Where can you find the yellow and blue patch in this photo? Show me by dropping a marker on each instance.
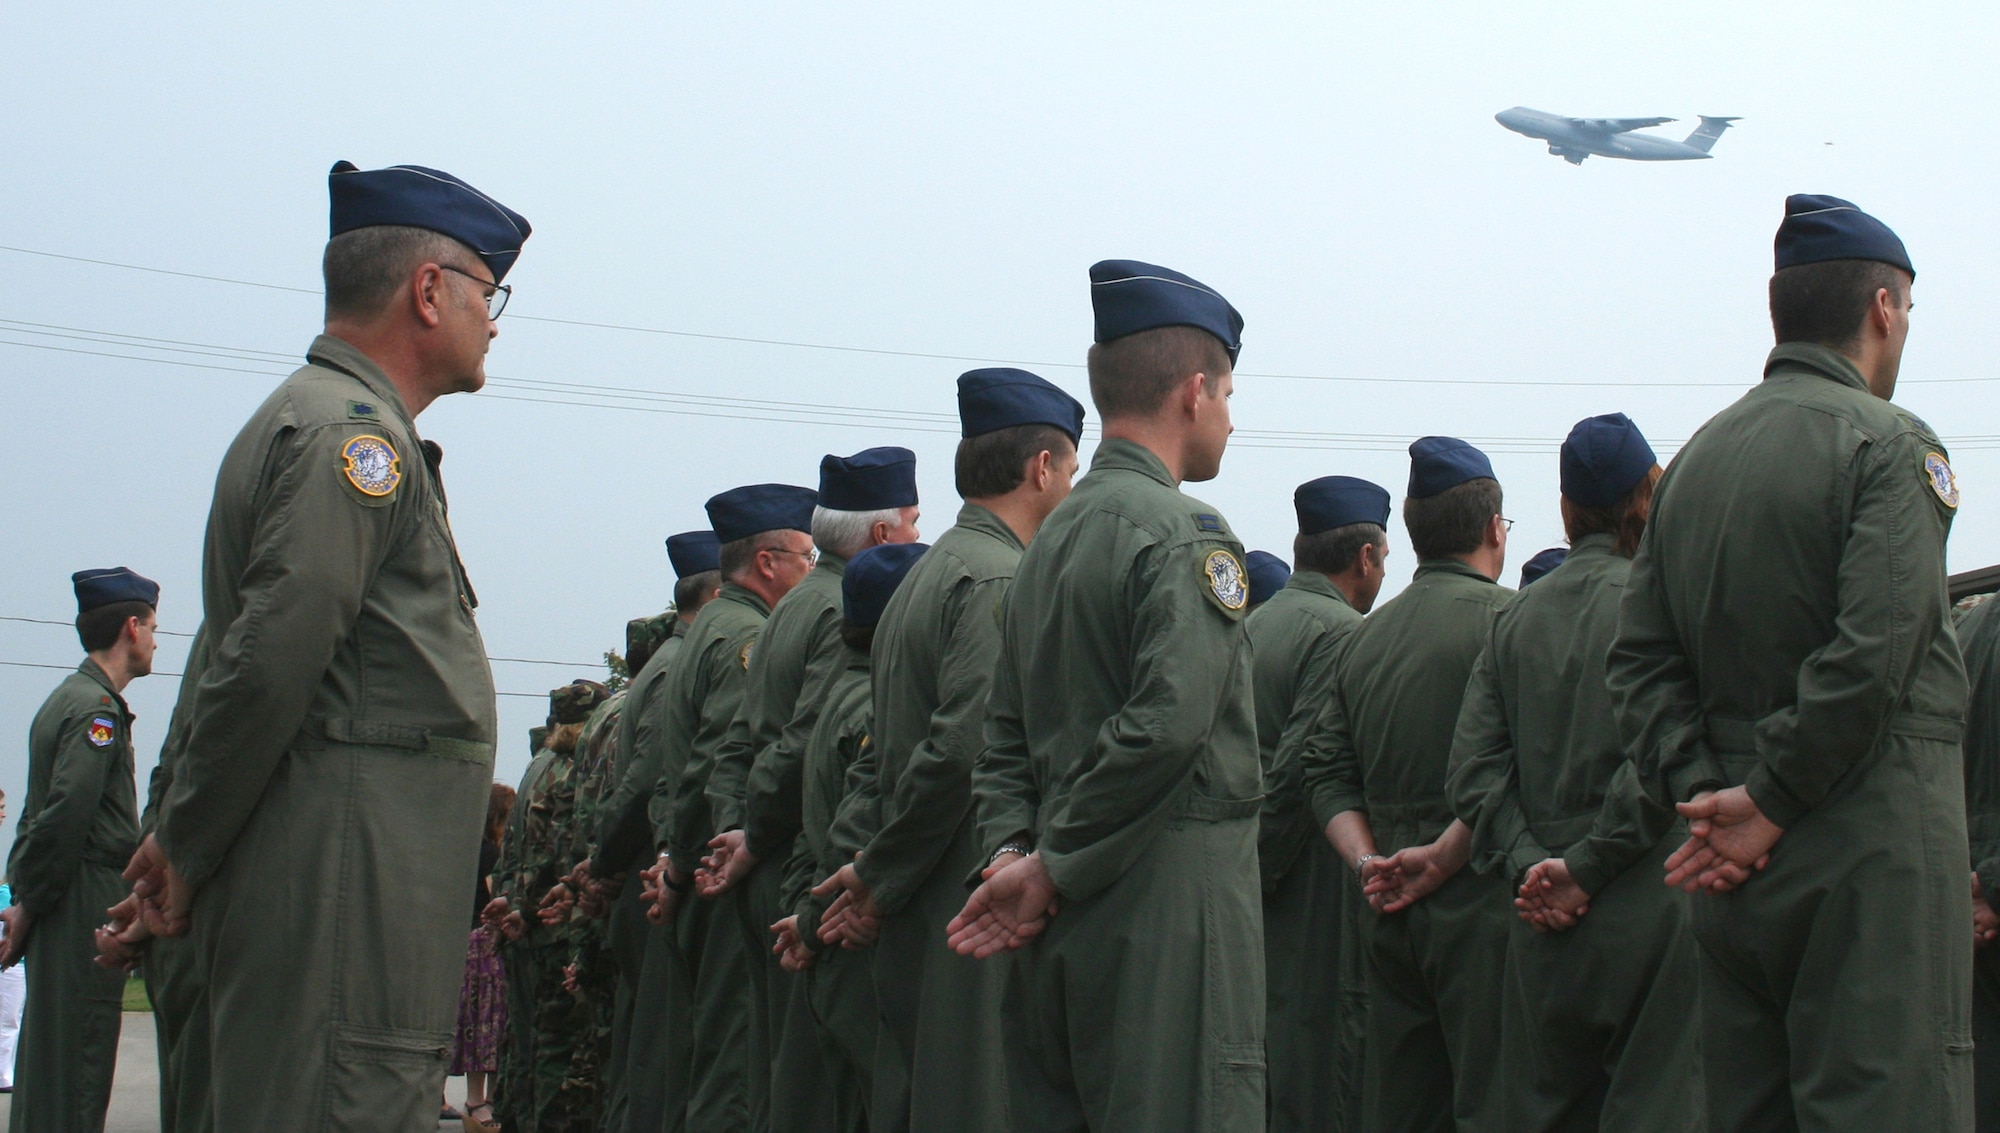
(102, 731)
(1228, 582)
(372, 465)
(1943, 481)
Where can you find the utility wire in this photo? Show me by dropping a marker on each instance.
(884, 352)
(164, 673)
(174, 633)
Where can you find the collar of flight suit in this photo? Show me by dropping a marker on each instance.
(338, 354)
(972, 517)
(1449, 566)
(1116, 453)
(743, 595)
(1812, 358)
(1313, 582)
(1593, 546)
(90, 668)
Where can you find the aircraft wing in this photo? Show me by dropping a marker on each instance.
(1618, 125)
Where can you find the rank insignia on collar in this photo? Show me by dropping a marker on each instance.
(102, 731)
(372, 466)
(1225, 575)
(1937, 470)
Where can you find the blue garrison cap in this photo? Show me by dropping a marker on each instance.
(1268, 575)
(692, 552)
(1000, 398)
(870, 480)
(417, 197)
(1129, 296)
(106, 585)
(1818, 228)
(871, 578)
(742, 512)
(1336, 501)
(1542, 564)
(1439, 464)
(1602, 459)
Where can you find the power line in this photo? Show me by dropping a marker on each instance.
(797, 344)
(174, 633)
(164, 673)
(539, 391)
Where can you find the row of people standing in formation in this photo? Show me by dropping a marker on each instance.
(1034, 828)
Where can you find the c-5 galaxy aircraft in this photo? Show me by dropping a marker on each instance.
(1574, 139)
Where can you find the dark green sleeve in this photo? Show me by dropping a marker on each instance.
(1653, 690)
(625, 826)
(1483, 783)
(1005, 798)
(726, 681)
(934, 793)
(1144, 759)
(1285, 825)
(1328, 761)
(49, 846)
(1889, 615)
(315, 550)
(771, 796)
(1630, 821)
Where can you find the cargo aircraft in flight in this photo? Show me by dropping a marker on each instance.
(1574, 139)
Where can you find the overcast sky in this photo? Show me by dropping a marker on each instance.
(914, 190)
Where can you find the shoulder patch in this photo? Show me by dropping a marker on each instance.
(1227, 582)
(372, 465)
(1937, 470)
(102, 730)
(744, 656)
(1208, 521)
(363, 411)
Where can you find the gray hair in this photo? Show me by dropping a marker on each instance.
(847, 533)
(364, 267)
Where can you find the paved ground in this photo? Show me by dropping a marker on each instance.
(135, 1091)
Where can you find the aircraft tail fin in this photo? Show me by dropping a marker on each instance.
(1710, 129)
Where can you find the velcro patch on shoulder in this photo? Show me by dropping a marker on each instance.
(1943, 481)
(1209, 523)
(363, 411)
(102, 731)
(1225, 581)
(371, 466)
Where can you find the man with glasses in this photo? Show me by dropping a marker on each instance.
(1374, 765)
(336, 723)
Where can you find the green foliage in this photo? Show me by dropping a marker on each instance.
(621, 674)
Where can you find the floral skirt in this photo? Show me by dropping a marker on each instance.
(482, 1007)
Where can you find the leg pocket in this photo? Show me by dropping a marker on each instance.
(1239, 1084)
(385, 1078)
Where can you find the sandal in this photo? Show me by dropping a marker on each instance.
(477, 1124)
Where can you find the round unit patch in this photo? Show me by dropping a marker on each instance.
(1938, 471)
(1226, 579)
(745, 656)
(372, 466)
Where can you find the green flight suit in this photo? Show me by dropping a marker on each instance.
(1315, 973)
(514, 1081)
(1785, 628)
(1380, 746)
(653, 980)
(940, 1061)
(338, 761)
(78, 828)
(756, 786)
(839, 989)
(172, 973)
(1979, 642)
(1122, 743)
(704, 695)
(1596, 1031)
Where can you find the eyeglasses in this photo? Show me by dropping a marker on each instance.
(496, 299)
(1506, 524)
(811, 557)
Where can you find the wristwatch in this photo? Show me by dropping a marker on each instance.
(1021, 848)
(1361, 864)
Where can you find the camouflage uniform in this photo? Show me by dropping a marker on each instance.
(585, 939)
(513, 1086)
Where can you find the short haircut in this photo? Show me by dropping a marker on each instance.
(364, 267)
(995, 463)
(692, 593)
(1453, 522)
(1625, 520)
(1333, 551)
(1132, 376)
(861, 639)
(99, 629)
(1826, 302)
(737, 555)
(848, 533)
